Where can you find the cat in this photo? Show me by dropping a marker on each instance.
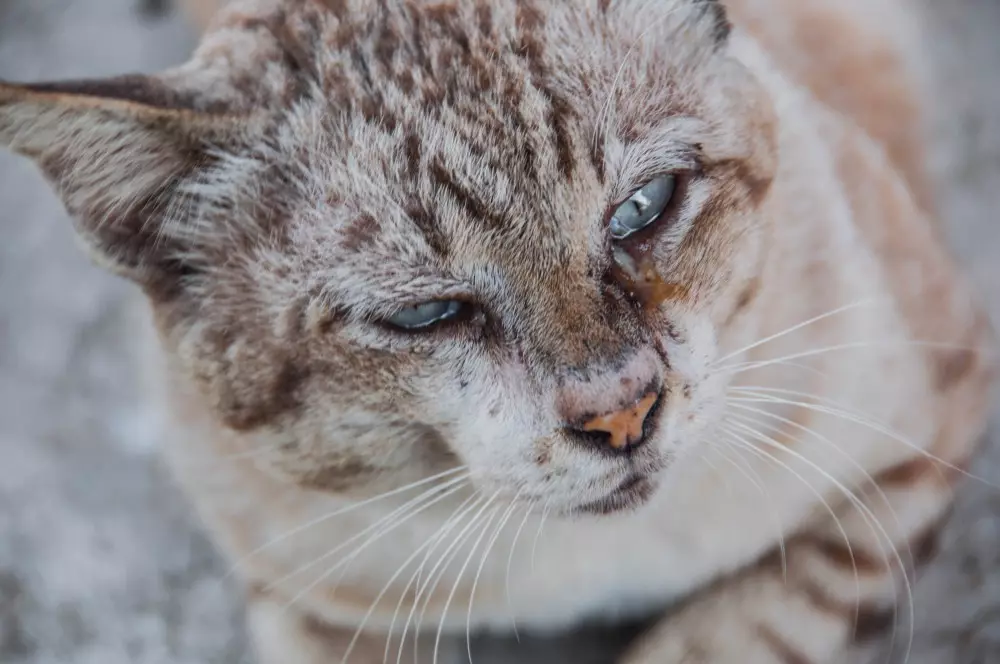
(474, 315)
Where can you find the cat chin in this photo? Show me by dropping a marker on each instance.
(634, 491)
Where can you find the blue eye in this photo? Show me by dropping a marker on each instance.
(643, 207)
(428, 314)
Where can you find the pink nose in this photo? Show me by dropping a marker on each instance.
(624, 427)
(613, 409)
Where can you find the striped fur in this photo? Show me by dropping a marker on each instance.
(318, 164)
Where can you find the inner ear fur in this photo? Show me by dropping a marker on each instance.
(117, 152)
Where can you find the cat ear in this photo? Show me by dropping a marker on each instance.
(117, 152)
(717, 14)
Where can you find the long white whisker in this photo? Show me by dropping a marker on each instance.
(510, 560)
(432, 541)
(458, 578)
(870, 480)
(741, 367)
(482, 563)
(378, 598)
(447, 557)
(877, 529)
(863, 421)
(767, 497)
(375, 527)
(538, 535)
(446, 528)
(339, 512)
(795, 328)
(372, 539)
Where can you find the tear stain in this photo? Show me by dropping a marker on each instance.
(642, 281)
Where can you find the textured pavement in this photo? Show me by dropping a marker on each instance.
(100, 559)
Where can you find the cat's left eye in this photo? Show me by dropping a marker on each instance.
(426, 315)
(643, 208)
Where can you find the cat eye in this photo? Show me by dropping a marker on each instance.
(643, 207)
(426, 315)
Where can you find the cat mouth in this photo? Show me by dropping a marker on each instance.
(633, 492)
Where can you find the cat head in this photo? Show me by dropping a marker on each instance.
(385, 239)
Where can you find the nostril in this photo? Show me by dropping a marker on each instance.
(600, 440)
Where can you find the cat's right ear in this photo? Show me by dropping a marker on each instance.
(117, 152)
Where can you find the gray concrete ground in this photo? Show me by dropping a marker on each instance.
(100, 560)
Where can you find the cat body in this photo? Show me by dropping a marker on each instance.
(757, 405)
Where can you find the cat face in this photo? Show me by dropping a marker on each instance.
(400, 238)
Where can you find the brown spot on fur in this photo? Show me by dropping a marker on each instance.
(361, 233)
(822, 601)
(276, 398)
(745, 299)
(872, 622)
(952, 368)
(747, 295)
(412, 147)
(908, 472)
(779, 646)
(640, 279)
(339, 478)
(841, 555)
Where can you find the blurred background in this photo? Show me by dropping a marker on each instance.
(101, 561)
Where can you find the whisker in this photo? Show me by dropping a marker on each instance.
(510, 560)
(742, 367)
(447, 557)
(862, 420)
(767, 497)
(432, 541)
(378, 598)
(374, 527)
(475, 581)
(877, 529)
(538, 535)
(371, 540)
(339, 512)
(458, 581)
(442, 532)
(746, 444)
(797, 327)
(871, 483)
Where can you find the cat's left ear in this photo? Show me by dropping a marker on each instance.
(117, 152)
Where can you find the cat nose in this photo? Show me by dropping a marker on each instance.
(623, 429)
(613, 410)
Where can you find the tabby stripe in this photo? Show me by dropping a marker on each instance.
(843, 556)
(872, 622)
(428, 225)
(474, 206)
(560, 114)
(780, 647)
